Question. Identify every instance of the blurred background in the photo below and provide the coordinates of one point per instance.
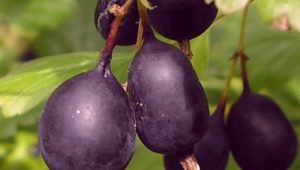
(44, 42)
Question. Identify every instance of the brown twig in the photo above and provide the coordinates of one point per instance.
(185, 47)
(119, 12)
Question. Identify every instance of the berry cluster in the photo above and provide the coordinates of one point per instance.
(90, 123)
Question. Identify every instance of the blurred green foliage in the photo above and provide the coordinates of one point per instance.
(62, 34)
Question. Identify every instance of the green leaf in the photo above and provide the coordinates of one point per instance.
(19, 153)
(144, 159)
(38, 15)
(78, 33)
(10, 9)
(32, 82)
(274, 55)
(280, 14)
(230, 6)
(200, 49)
(10, 125)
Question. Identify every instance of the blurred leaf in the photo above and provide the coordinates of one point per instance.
(10, 125)
(7, 128)
(280, 14)
(78, 33)
(200, 49)
(21, 153)
(22, 21)
(144, 159)
(10, 9)
(274, 55)
(43, 14)
(230, 6)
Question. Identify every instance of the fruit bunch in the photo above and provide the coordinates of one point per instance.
(90, 122)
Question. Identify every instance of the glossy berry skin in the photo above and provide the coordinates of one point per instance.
(169, 102)
(87, 124)
(260, 136)
(212, 150)
(181, 19)
(127, 33)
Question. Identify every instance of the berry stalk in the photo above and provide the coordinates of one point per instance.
(241, 48)
(139, 39)
(224, 97)
(185, 47)
(239, 54)
(144, 21)
(105, 55)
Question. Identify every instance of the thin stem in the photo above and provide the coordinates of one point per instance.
(223, 100)
(241, 48)
(139, 39)
(243, 60)
(239, 54)
(147, 31)
(241, 43)
(185, 47)
(106, 53)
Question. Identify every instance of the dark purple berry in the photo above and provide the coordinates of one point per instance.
(170, 103)
(260, 136)
(127, 33)
(87, 124)
(212, 150)
(181, 19)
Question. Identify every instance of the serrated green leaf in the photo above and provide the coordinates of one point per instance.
(280, 14)
(230, 6)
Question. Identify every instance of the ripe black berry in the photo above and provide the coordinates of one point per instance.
(127, 33)
(87, 123)
(260, 136)
(181, 19)
(170, 103)
(212, 150)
